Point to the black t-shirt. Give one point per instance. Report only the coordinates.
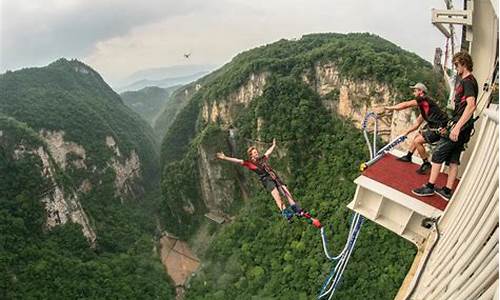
(431, 112)
(465, 88)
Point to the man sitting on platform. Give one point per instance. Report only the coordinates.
(429, 112)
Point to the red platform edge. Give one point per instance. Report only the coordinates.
(402, 176)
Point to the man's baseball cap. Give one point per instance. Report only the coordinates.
(419, 86)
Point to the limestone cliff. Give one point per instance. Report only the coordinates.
(61, 204)
(349, 98)
(226, 109)
(354, 98)
(217, 186)
(126, 172)
(219, 182)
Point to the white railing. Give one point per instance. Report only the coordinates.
(464, 261)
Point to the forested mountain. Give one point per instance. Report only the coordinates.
(77, 189)
(309, 94)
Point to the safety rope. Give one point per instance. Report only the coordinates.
(332, 281)
(364, 125)
(342, 264)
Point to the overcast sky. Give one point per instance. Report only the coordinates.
(118, 37)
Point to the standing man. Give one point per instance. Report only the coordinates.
(452, 144)
(429, 112)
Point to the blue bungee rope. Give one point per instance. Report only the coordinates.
(333, 279)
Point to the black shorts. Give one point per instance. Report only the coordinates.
(270, 184)
(448, 151)
(430, 135)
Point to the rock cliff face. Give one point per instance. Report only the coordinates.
(218, 184)
(218, 188)
(59, 148)
(400, 122)
(216, 196)
(352, 99)
(126, 172)
(225, 109)
(61, 205)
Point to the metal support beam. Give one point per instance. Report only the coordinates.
(451, 16)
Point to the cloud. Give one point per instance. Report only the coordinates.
(210, 37)
(120, 37)
(34, 32)
(225, 28)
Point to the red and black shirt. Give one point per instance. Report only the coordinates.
(431, 112)
(262, 168)
(465, 88)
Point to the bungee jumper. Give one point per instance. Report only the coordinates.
(271, 182)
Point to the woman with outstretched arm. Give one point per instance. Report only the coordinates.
(268, 177)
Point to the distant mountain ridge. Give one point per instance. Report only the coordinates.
(149, 102)
(162, 83)
(152, 76)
